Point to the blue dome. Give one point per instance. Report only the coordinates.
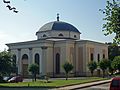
(63, 26)
(58, 26)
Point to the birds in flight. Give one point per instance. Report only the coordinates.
(9, 7)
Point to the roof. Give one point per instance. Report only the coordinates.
(58, 26)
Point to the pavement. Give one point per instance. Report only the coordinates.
(80, 86)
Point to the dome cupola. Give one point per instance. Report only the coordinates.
(58, 29)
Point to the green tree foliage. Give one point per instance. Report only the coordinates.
(67, 67)
(113, 50)
(104, 64)
(92, 65)
(34, 69)
(5, 63)
(116, 63)
(112, 19)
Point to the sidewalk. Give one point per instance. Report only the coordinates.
(83, 85)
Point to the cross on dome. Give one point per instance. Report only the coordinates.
(57, 16)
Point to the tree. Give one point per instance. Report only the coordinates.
(5, 62)
(67, 67)
(92, 65)
(113, 50)
(112, 19)
(104, 64)
(34, 69)
(116, 63)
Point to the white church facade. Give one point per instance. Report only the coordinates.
(57, 42)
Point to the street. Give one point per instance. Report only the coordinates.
(98, 87)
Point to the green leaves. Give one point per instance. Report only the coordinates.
(33, 68)
(112, 19)
(67, 67)
(92, 65)
(104, 64)
(116, 63)
(5, 62)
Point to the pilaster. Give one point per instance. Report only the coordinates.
(19, 62)
(30, 56)
(43, 63)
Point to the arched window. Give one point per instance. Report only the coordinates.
(60, 34)
(25, 56)
(44, 35)
(103, 56)
(57, 63)
(25, 65)
(91, 57)
(98, 57)
(37, 58)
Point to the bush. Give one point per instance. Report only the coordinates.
(1, 80)
(116, 63)
(92, 65)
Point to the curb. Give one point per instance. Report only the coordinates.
(84, 85)
(90, 85)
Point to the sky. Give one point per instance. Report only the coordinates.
(22, 26)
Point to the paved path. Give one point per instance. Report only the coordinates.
(105, 86)
(83, 85)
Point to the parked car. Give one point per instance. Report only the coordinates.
(115, 83)
(6, 78)
(16, 79)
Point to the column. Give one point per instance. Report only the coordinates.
(30, 61)
(19, 64)
(43, 60)
(74, 59)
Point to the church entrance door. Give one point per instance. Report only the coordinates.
(25, 65)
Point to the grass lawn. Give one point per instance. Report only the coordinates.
(52, 83)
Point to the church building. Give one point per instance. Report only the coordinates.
(57, 42)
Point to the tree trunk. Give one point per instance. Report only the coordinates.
(103, 73)
(92, 73)
(66, 76)
(32, 77)
(35, 77)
